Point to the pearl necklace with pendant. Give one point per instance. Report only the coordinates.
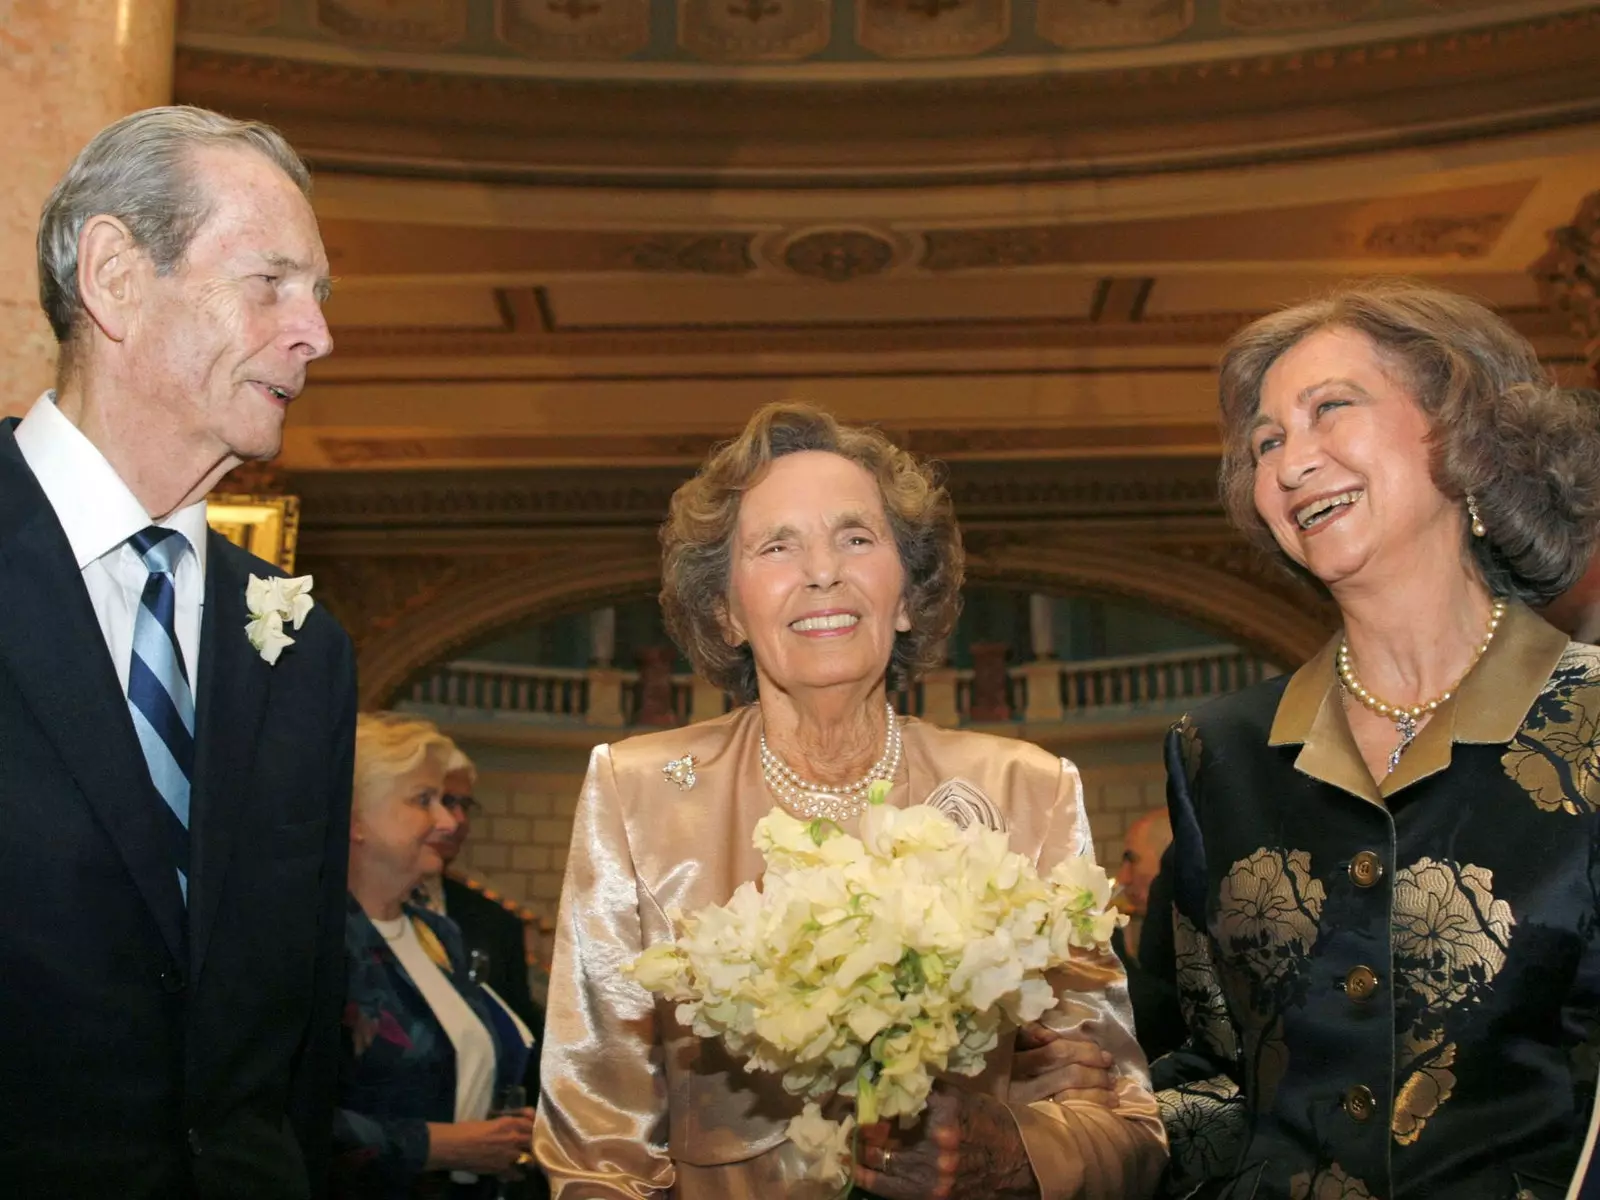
(1406, 719)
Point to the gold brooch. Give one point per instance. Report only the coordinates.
(680, 771)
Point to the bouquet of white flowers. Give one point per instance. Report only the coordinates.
(863, 966)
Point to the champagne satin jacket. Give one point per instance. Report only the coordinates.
(634, 1105)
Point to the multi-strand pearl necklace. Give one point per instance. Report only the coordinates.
(809, 800)
(1406, 719)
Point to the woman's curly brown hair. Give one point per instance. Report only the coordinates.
(1527, 450)
(697, 541)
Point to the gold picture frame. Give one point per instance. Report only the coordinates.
(266, 526)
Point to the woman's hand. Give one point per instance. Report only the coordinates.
(1060, 1066)
(496, 1147)
(966, 1147)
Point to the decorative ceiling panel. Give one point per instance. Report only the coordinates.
(932, 28)
(1096, 25)
(574, 30)
(616, 37)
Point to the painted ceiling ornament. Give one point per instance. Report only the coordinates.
(680, 772)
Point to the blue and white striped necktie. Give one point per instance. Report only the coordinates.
(158, 686)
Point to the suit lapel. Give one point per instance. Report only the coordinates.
(234, 683)
(51, 643)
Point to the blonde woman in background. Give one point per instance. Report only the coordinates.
(421, 1059)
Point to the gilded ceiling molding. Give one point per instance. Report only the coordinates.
(839, 255)
(1535, 73)
(574, 30)
(1290, 16)
(398, 24)
(1096, 25)
(364, 512)
(754, 31)
(910, 29)
(1569, 277)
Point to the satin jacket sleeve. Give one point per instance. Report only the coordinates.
(1080, 1149)
(602, 1122)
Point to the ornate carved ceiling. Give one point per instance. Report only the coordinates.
(570, 235)
(777, 93)
(595, 234)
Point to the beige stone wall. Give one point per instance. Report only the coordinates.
(519, 843)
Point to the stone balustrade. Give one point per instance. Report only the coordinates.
(991, 692)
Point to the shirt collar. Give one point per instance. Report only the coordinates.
(96, 510)
(1487, 709)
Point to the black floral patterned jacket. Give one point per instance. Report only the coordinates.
(1391, 992)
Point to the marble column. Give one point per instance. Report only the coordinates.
(67, 69)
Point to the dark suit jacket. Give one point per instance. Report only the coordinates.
(1152, 974)
(487, 926)
(146, 1049)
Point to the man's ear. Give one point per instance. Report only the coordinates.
(108, 275)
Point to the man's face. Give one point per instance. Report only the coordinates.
(221, 343)
(458, 799)
(1141, 861)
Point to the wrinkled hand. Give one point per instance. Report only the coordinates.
(1060, 1066)
(965, 1147)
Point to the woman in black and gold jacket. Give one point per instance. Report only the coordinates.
(1388, 864)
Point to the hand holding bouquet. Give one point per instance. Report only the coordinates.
(864, 966)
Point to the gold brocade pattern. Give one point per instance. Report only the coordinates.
(1450, 933)
(1429, 1085)
(1205, 1009)
(1450, 941)
(1269, 906)
(1206, 1127)
(1269, 909)
(1329, 1183)
(1555, 756)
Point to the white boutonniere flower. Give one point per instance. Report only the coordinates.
(272, 603)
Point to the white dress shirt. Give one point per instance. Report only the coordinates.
(99, 515)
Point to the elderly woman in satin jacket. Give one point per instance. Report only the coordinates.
(804, 567)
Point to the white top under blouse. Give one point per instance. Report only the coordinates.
(474, 1045)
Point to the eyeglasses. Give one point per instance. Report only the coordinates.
(463, 806)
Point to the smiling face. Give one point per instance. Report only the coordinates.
(1341, 464)
(222, 342)
(403, 831)
(816, 584)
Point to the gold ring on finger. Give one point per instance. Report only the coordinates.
(524, 1159)
(887, 1155)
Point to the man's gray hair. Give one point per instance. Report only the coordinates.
(139, 170)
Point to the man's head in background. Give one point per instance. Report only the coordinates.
(1148, 838)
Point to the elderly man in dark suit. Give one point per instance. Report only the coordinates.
(177, 721)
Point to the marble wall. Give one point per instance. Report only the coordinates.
(67, 69)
